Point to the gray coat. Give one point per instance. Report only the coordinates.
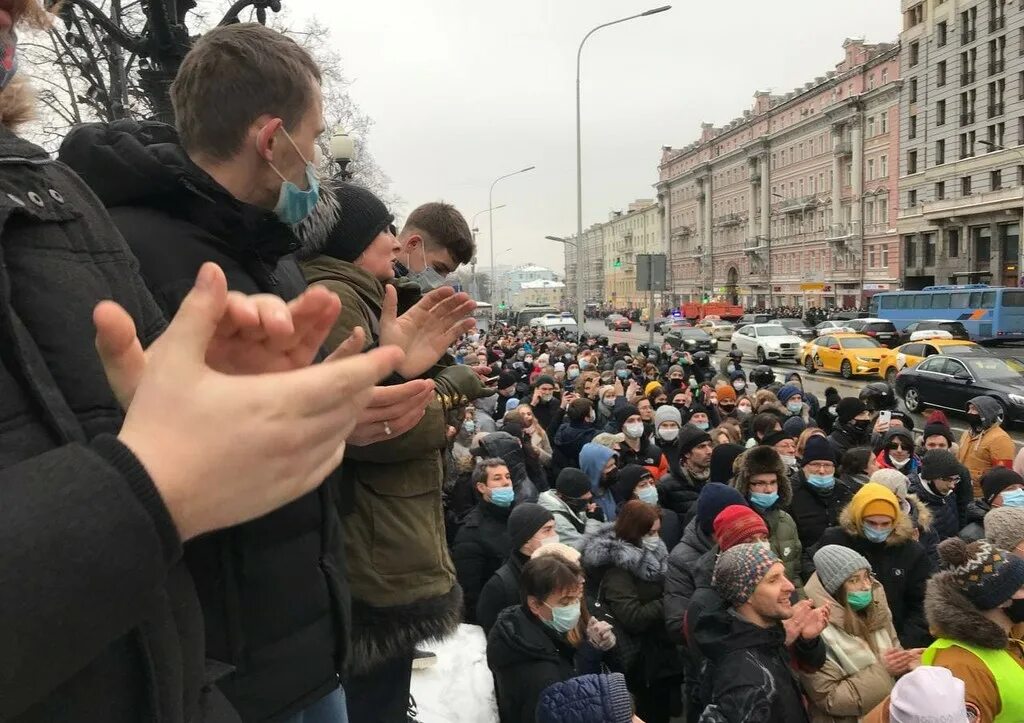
(680, 580)
(571, 527)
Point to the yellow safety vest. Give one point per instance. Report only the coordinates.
(1009, 676)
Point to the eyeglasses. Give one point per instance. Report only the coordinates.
(897, 446)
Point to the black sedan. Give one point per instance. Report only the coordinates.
(797, 327)
(955, 328)
(946, 382)
(691, 340)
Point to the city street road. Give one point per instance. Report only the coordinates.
(814, 383)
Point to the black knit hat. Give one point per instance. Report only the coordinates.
(629, 478)
(689, 437)
(996, 480)
(572, 483)
(362, 217)
(939, 464)
(773, 438)
(544, 379)
(818, 449)
(525, 521)
(506, 380)
(848, 408)
(722, 458)
(986, 575)
(934, 429)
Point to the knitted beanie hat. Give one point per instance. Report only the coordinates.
(818, 449)
(1004, 527)
(928, 693)
(794, 426)
(736, 524)
(650, 387)
(558, 549)
(939, 464)
(572, 483)
(789, 390)
(873, 499)
(713, 498)
(987, 575)
(996, 480)
(525, 521)
(363, 216)
(689, 437)
(773, 438)
(722, 459)
(667, 413)
(725, 393)
(848, 408)
(740, 569)
(937, 425)
(835, 564)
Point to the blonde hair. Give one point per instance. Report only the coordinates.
(801, 442)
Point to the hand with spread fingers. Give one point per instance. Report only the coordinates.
(392, 411)
(425, 331)
(230, 448)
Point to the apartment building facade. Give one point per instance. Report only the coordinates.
(591, 266)
(794, 202)
(637, 230)
(962, 140)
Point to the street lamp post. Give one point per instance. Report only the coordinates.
(475, 230)
(1020, 226)
(577, 244)
(579, 142)
(343, 151)
(490, 221)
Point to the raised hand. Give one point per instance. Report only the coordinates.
(392, 411)
(794, 625)
(221, 449)
(425, 331)
(815, 623)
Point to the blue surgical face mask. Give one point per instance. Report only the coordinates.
(469, 425)
(763, 500)
(294, 204)
(584, 364)
(564, 618)
(648, 494)
(622, 373)
(873, 535)
(503, 497)
(703, 426)
(1013, 498)
(573, 373)
(795, 407)
(821, 481)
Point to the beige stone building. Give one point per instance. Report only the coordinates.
(541, 291)
(637, 230)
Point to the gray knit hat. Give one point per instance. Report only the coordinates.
(740, 569)
(835, 564)
(1004, 527)
(667, 413)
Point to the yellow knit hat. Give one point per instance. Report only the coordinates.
(874, 499)
(651, 386)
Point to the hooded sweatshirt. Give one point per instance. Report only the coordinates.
(907, 438)
(981, 450)
(593, 458)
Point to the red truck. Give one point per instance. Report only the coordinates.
(727, 312)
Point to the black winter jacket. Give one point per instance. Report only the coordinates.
(844, 438)
(500, 592)
(287, 651)
(748, 678)
(945, 511)
(678, 491)
(101, 618)
(481, 546)
(505, 446)
(815, 511)
(568, 441)
(679, 579)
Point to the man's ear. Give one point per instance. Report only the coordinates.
(413, 242)
(266, 131)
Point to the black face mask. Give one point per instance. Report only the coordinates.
(861, 425)
(680, 406)
(610, 479)
(577, 505)
(1016, 611)
(974, 420)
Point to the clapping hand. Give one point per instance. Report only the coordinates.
(815, 623)
(425, 331)
(600, 634)
(794, 625)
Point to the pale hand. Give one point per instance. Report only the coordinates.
(815, 624)
(220, 449)
(600, 634)
(425, 331)
(795, 623)
(401, 406)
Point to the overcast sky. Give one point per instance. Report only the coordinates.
(463, 91)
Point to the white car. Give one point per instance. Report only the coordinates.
(766, 343)
(721, 330)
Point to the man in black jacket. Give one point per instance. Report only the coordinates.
(851, 427)
(95, 506)
(227, 189)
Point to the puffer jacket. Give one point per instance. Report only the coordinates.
(901, 564)
(102, 618)
(815, 510)
(680, 579)
(782, 531)
(501, 591)
(504, 446)
(991, 447)
(630, 581)
(390, 496)
(853, 679)
(287, 652)
(678, 491)
(585, 699)
(945, 515)
(481, 547)
(571, 527)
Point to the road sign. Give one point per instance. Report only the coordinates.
(650, 272)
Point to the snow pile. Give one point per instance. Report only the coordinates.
(459, 689)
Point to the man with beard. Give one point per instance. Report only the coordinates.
(743, 638)
(689, 471)
(851, 427)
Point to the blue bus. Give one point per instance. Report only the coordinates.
(991, 314)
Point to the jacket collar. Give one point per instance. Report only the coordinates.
(328, 268)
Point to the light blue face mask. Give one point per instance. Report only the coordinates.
(873, 535)
(795, 407)
(622, 373)
(763, 500)
(503, 497)
(1013, 498)
(294, 204)
(563, 619)
(703, 426)
(821, 481)
(648, 494)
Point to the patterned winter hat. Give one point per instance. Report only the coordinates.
(987, 575)
(740, 569)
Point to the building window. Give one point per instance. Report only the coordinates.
(967, 99)
(871, 169)
(940, 190)
(929, 249)
(996, 133)
(996, 15)
(872, 258)
(912, 130)
(968, 26)
(915, 53)
(940, 70)
(909, 251)
(911, 162)
(911, 198)
(885, 76)
(942, 33)
(883, 210)
(914, 16)
(1020, 175)
(996, 90)
(997, 55)
(883, 121)
(953, 242)
(885, 257)
(883, 166)
(967, 144)
(940, 113)
(940, 151)
(913, 90)
(871, 119)
(965, 186)
(996, 179)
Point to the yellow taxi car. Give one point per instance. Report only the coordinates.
(849, 354)
(922, 345)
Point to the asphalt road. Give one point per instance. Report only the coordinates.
(814, 383)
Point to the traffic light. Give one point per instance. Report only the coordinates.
(618, 262)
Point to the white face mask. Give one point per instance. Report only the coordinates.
(743, 409)
(788, 460)
(633, 430)
(899, 464)
(668, 434)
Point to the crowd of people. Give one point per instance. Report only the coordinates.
(254, 454)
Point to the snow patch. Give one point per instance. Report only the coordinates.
(460, 688)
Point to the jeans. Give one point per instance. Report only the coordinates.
(329, 709)
(381, 695)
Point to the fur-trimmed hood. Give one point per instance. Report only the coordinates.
(603, 549)
(903, 530)
(761, 460)
(766, 401)
(951, 615)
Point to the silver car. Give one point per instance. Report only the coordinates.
(721, 330)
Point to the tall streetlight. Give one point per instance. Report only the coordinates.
(475, 230)
(1020, 226)
(490, 220)
(579, 142)
(579, 276)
